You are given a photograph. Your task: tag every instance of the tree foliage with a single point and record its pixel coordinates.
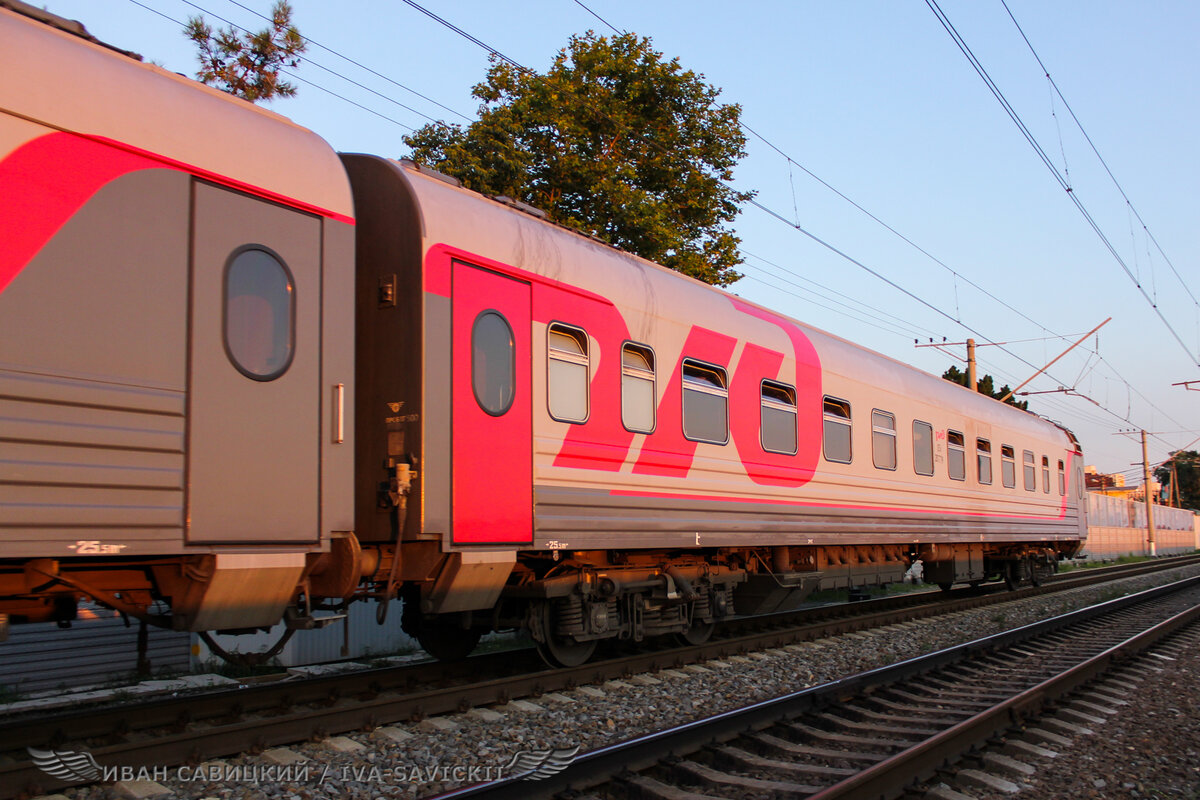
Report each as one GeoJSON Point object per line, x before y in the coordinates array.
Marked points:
{"type": "Point", "coordinates": [248, 65]}
{"type": "Point", "coordinates": [1187, 472]}
{"type": "Point", "coordinates": [984, 385]}
{"type": "Point", "coordinates": [614, 141]}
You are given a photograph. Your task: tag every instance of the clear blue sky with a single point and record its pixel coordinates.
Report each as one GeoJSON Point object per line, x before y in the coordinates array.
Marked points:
{"type": "Point", "coordinates": [877, 100]}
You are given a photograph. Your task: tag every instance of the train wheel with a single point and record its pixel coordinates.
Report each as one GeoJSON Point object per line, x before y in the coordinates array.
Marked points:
{"type": "Point", "coordinates": [448, 642]}
{"type": "Point", "coordinates": [698, 633]}
{"type": "Point", "coordinates": [1035, 572]}
{"type": "Point", "coordinates": [560, 651]}
{"type": "Point", "coordinates": [1012, 575]}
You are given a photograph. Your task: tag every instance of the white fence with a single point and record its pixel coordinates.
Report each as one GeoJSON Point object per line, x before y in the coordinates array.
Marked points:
{"type": "Point", "coordinates": [1117, 527]}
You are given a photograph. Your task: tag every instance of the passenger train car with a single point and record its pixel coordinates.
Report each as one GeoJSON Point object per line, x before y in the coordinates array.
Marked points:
{"type": "Point", "coordinates": [246, 379]}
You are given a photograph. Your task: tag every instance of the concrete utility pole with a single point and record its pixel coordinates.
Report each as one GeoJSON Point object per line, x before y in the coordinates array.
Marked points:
{"type": "Point", "coordinates": [1174, 483]}
{"type": "Point", "coordinates": [972, 384]}
{"type": "Point", "coordinates": [1149, 500]}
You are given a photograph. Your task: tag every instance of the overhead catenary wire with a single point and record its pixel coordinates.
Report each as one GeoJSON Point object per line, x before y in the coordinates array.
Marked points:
{"type": "Point", "coordinates": [880, 317]}
{"type": "Point", "coordinates": [799, 227]}
{"type": "Point", "coordinates": [849, 314]}
{"type": "Point", "coordinates": [1032, 140]}
{"type": "Point", "coordinates": [361, 66]}
{"type": "Point", "coordinates": [1099, 157]}
{"type": "Point", "coordinates": [761, 206]}
{"type": "Point", "coordinates": [369, 110]}
{"type": "Point", "coordinates": [602, 19]}
{"type": "Point", "coordinates": [294, 75]}
{"type": "Point", "coordinates": [912, 328]}
{"type": "Point", "coordinates": [771, 212]}
{"type": "Point", "coordinates": [465, 35]}
{"type": "Point", "coordinates": [957, 275]}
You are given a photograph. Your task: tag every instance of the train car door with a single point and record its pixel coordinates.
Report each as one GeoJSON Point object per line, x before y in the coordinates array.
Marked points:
{"type": "Point", "coordinates": [492, 439]}
{"type": "Point", "coordinates": [254, 381]}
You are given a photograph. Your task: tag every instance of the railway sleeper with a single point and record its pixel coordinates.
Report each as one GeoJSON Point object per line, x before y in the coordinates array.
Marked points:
{"type": "Point", "coordinates": [693, 772]}
{"type": "Point", "coordinates": [829, 758]}
{"type": "Point", "coordinates": [731, 757]}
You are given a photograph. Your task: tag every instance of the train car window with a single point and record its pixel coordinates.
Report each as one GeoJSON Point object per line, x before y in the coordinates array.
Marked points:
{"type": "Point", "coordinates": [1062, 479]}
{"type": "Point", "coordinates": [778, 418]}
{"type": "Point", "coordinates": [1008, 466]}
{"type": "Point", "coordinates": [956, 455]}
{"type": "Point", "coordinates": [493, 362]}
{"type": "Point", "coordinates": [260, 314]}
{"type": "Point", "coordinates": [983, 460]}
{"type": "Point", "coordinates": [883, 439]}
{"type": "Point", "coordinates": [705, 403]}
{"type": "Point", "coordinates": [1046, 474]}
{"type": "Point", "coordinates": [567, 373]}
{"type": "Point", "coordinates": [922, 448]}
{"type": "Point", "coordinates": [836, 431]}
{"type": "Point", "coordinates": [638, 392]}
{"type": "Point", "coordinates": [1030, 471]}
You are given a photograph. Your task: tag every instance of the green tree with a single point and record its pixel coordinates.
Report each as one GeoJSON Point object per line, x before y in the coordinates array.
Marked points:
{"type": "Point", "coordinates": [614, 141]}
{"type": "Point", "coordinates": [984, 385]}
{"type": "Point", "coordinates": [1186, 472]}
{"type": "Point", "coordinates": [248, 65]}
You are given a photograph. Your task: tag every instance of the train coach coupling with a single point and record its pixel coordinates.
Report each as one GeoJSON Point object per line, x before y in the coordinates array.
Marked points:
{"type": "Point", "coordinates": [297, 620]}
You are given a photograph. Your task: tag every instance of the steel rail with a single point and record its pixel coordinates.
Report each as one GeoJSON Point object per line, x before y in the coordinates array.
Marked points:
{"type": "Point", "coordinates": [883, 780]}
{"type": "Point", "coordinates": [888, 778]}
{"type": "Point", "coordinates": [768, 631]}
{"type": "Point", "coordinates": [193, 728]}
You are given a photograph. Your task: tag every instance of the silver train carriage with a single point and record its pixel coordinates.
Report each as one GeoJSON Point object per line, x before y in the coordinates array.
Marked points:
{"type": "Point", "coordinates": [244, 380]}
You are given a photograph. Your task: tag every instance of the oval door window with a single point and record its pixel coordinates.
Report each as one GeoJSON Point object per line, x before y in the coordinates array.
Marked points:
{"type": "Point", "coordinates": [260, 310]}
{"type": "Point", "coordinates": [493, 363]}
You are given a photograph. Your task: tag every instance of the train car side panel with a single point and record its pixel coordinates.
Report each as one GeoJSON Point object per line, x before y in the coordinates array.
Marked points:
{"type": "Point", "coordinates": [255, 355]}
{"type": "Point", "coordinates": [492, 408]}
{"type": "Point", "coordinates": [123, 311]}
{"type": "Point", "coordinates": [658, 487]}
{"type": "Point", "coordinates": [91, 330]}
{"type": "Point", "coordinates": [338, 419]}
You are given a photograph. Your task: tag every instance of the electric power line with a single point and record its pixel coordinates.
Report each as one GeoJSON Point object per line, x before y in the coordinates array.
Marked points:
{"type": "Point", "coordinates": [1095, 150]}
{"type": "Point", "coordinates": [834, 249]}
{"type": "Point", "coordinates": [361, 66]}
{"type": "Point", "coordinates": [1029, 137]}
{"type": "Point", "coordinates": [602, 19]}
{"type": "Point", "coordinates": [292, 74]}
{"type": "Point", "coordinates": [756, 203]}
{"type": "Point", "coordinates": [465, 35]}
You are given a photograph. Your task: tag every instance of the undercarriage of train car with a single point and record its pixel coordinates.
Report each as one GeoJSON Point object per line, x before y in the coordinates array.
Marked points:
{"type": "Point", "coordinates": [570, 602]}
{"type": "Point", "coordinates": [567, 601]}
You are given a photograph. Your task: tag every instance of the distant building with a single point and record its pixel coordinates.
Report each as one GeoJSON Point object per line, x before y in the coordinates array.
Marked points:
{"type": "Point", "coordinates": [1139, 493]}
{"type": "Point", "coordinates": [1114, 485]}
{"type": "Point", "coordinates": [1096, 481]}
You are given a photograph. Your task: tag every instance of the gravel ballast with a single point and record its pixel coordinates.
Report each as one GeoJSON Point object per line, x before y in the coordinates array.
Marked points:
{"type": "Point", "coordinates": [412, 760]}
{"type": "Point", "coordinates": [1149, 749]}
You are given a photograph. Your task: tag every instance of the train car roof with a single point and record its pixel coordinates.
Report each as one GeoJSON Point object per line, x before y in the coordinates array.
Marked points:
{"type": "Point", "coordinates": [508, 234]}
{"type": "Point", "coordinates": [60, 77]}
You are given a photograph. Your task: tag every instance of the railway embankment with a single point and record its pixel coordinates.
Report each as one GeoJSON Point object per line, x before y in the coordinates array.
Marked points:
{"type": "Point", "coordinates": [421, 759]}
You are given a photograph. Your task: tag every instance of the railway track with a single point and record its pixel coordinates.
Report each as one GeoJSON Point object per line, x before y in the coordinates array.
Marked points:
{"type": "Point", "coordinates": [189, 729]}
{"type": "Point", "coordinates": [881, 733]}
